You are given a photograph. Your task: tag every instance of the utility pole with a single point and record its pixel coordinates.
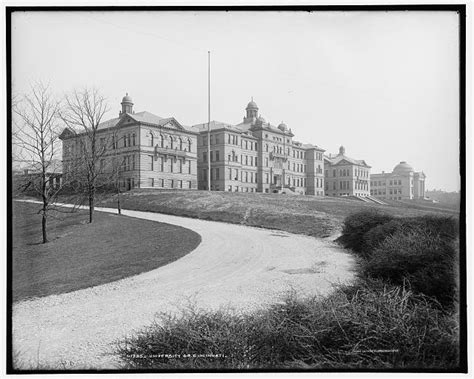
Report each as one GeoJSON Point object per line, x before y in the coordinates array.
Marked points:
{"type": "Point", "coordinates": [208, 120]}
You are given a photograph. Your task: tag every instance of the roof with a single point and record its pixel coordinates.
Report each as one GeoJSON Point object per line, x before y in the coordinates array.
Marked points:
{"type": "Point", "coordinates": [143, 117]}
{"type": "Point", "coordinates": [339, 158]}
{"type": "Point", "coordinates": [311, 146]}
{"type": "Point", "coordinates": [54, 166]}
{"type": "Point", "coordinates": [214, 125]}
{"type": "Point", "coordinates": [403, 167]}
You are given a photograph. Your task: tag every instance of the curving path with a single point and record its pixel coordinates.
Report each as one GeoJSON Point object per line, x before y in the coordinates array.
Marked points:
{"type": "Point", "coordinates": [237, 266]}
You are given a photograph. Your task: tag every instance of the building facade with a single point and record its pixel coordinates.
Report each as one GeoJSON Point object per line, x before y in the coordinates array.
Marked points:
{"type": "Point", "coordinates": [146, 151]}
{"type": "Point", "coordinates": [346, 176]}
{"type": "Point", "coordinates": [403, 183]}
{"type": "Point", "coordinates": [255, 156]}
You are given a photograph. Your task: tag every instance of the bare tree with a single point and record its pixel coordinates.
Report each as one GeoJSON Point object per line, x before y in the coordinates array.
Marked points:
{"type": "Point", "coordinates": [83, 113]}
{"type": "Point", "coordinates": [35, 137]}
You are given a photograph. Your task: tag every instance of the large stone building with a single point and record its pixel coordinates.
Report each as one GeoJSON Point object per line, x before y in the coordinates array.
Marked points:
{"type": "Point", "coordinates": [346, 176]}
{"type": "Point", "coordinates": [401, 184]}
{"type": "Point", "coordinates": [255, 156]}
{"type": "Point", "coordinates": [151, 151]}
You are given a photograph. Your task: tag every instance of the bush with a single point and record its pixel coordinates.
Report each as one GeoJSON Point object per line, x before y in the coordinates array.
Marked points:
{"type": "Point", "coordinates": [426, 260]}
{"type": "Point", "coordinates": [356, 225]}
{"type": "Point", "coordinates": [370, 325]}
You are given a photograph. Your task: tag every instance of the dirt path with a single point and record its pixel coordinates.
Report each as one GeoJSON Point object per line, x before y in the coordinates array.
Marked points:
{"type": "Point", "coordinates": [237, 266]}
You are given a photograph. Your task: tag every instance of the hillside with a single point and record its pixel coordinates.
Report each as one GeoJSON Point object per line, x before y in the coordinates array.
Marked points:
{"type": "Point", "coordinates": [319, 217]}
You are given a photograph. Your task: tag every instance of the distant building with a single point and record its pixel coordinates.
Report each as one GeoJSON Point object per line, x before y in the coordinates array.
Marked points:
{"type": "Point", "coordinates": [401, 184]}
{"type": "Point", "coordinates": [255, 156]}
{"type": "Point", "coordinates": [30, 177]}
{"type": "Point", "coordinates": [153, 152]}
{"type": "Point", "coordinates": [346, 176]}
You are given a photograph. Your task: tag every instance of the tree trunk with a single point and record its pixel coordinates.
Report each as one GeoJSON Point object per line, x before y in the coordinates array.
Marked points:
{"type": "Point", "coordinates": [119, 209]}
{"type": "Point", "coordinates": [43, 225]}
{"type": "Point", "coordinates": [44, 195]}
{"type": "Point", "coordinates": [91, 208]}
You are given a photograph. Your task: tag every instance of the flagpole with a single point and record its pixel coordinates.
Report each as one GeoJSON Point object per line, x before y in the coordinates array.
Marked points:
{"type": "Point", "coordinates": [208, 120]}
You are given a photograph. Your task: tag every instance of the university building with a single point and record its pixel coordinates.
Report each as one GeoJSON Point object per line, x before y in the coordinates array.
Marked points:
{"type": "Point", "coordinates": [255, 156]}
{"type": "Point", "coordinates": [146, 150]}
{"type": "Point", "coordinates": [401, 184]}
{"type": "Point", "coordinates": [346, 176]}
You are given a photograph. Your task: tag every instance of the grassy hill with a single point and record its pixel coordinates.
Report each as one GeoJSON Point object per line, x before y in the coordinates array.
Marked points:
{"type": "Point", "coordinates": [314, 216]}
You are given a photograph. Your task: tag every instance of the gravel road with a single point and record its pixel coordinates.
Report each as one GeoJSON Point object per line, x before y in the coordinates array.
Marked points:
{"type": "Point", "coordinates": [237, 266]}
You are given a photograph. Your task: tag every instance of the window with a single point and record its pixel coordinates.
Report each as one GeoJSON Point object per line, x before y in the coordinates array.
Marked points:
{"type": "Point", "coordinates": [217, 174]}
{"type": "Point", "coordinates": [134, 139]}
{"type": "Point", "coordinates": [217, 156]}
{"type": "Point", "coordinates": [266, 178]}
{"type": "Point", "coordinates": [151, 162]}
{"type": "Point", "coordinates": [129, 140]}
{"type": "Point", "coordinates": [151, 182]}
{"type": "Point", "coordinates": [204, 156]}
{"type": "Point", "coordinates": [171, 143]}
{"type": "Point", "coordinates": [133, 162]}
{"type": "Point", "coordinates": [266, 162]}
{"type": "Point", "coordinates": [189, 167]}
{"type": "Point", "coordinates": [162, 164]}
{"type": "Point", "coordinates": [212, 156]}
{"type": "Point", "coordinates": [124, 141]}
{"type": "Point", "coordinates": [180, 144]}
{"type": "Point", "coordinates": [181, 166]}
{"type": "Point", "coordinates": [255, 161]}
{"type": "Point", "coordinates": [151, 139]}
{"type": "Point", "coordinates": [171, 165]}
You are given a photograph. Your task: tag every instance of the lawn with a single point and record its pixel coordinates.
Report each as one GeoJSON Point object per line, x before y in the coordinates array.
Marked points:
{"type": "Point", "coordinates": [314, 216]}
{"type": "Point", "coordinates": [81, 255]}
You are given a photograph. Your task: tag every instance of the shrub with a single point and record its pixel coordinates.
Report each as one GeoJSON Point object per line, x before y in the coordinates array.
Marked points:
{"type": "Point", "coordinates": [425, 259]}
{"type": "Point", "coordinates": [356, 225]}
{"type": "Point", "coordinates": [370, 325]}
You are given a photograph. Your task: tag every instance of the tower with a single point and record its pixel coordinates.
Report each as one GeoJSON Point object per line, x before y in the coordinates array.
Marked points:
{"type": "Point", "coordinates": [252, 112]}
{"type": "Point", "coordinates": [342, 150]}
{"type": "Point", "coordinates": [127, 105]}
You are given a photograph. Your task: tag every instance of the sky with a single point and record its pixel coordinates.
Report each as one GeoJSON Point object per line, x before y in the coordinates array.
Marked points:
{"type": "Point", "coordinates": [385, 85]}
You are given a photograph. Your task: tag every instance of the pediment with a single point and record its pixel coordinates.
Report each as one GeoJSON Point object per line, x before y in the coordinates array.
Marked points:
{"type": "Point", "coordinates": [66, 133]}
{"type": "Point", "coordinates": [172, 124]}
{"type": "Point", "coordinates": [126, 119]}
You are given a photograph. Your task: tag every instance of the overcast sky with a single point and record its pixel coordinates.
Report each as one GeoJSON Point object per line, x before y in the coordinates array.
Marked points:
{"type": "Point", "coordinates": [383, 84]}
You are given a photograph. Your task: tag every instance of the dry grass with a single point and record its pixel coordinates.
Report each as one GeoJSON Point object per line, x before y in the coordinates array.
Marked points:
{"type": "Point", "coordinates": [314, 216]}
{"type": "Point", "coordinates": [367, 326]}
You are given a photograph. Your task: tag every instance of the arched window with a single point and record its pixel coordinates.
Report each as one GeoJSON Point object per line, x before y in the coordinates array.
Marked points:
{"type": "Point", "coordinates": [189, 144]}
{"type": "Point", "coordinates": [151, 139]}
{"type": "Point", "coordinates": [180, 144]}
{"type": "Point", "coordinates": [171, 142]}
